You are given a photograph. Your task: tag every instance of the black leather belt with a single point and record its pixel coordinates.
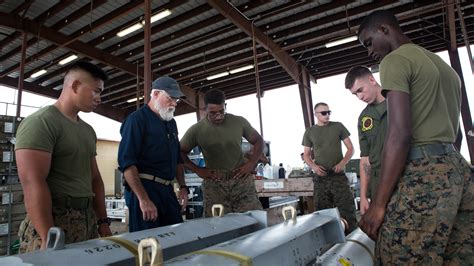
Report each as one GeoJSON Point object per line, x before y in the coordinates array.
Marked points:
{"type": "Point", "coordinates": [79, 203]}
{"type": "Point", "coordinates": [435, 149]}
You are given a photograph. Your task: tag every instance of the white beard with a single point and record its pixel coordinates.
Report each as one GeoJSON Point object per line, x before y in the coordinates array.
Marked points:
{"type": "Point", "coordinates": [165, 113]}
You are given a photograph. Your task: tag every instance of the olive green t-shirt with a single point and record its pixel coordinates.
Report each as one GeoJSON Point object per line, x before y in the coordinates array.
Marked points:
{"type": "Point", "coordinates": [72, 146]}
{"type": "Point", "coordinates": [326, 143]}
{"type": "Point", "coordinates": [434, 89]}
{"type": "Point", "coordinates": [220, 144]}
{"type": "Point", "coordinates": [372, 126]}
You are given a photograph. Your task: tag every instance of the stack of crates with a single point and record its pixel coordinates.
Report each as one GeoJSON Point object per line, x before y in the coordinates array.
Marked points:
{"type": "Point", "coordinates": [195, 198]}
{"type": "Point", "coordinates": [12, 207]}
{"type": "Point", "coordinates": [194, 209]}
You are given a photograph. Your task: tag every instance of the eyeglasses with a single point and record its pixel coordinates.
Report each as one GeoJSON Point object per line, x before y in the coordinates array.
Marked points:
{"type": "Point", "coordinates": [324, 113]}
{"type": "Point", "coordinates": [168, 97]}
{"type": "Point", "coordinates": [217, 113]}
{"type": "Point", "coordinates": [174, 99]}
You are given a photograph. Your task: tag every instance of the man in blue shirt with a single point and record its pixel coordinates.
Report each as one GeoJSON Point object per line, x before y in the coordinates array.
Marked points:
{"type": "Point", "coordinates": [149, 158]}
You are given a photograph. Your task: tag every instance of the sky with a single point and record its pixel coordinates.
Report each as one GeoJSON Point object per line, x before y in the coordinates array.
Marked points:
{"type": "Point", "coordinates": [283, 124]}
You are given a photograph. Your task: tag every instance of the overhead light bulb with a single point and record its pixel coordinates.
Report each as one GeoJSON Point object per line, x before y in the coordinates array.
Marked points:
{"type": "Point", "coordinates": [223, 74]}
{"type": "Point", "coordinates": [341, 41]}
{"type": "Point", "coordinates": [38, 73]}
{"type": "Point", "coordinates": [240, 69]}
{"type": "Point", "coordinates": [131, 100]}
{"type": "Point", "coordinates": [129, 30]}
{"type": "Point", "coordinates": [160, 15]}
{"type": "Point", "coordinates": [68, 59]}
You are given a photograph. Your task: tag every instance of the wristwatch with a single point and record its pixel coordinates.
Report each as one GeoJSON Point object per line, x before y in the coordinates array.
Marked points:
{"type": "Point", "coordinates": [185, 187]}
{"type": "Point", "coordinates": [105, 220]}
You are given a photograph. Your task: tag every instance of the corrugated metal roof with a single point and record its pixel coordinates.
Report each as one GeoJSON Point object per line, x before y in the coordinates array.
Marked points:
{"type": "Point", "coordinates": [196, 39]}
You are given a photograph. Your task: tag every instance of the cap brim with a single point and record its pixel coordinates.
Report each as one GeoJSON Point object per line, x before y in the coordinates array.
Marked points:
{"type": "Point", "coordinates": [176, 94]}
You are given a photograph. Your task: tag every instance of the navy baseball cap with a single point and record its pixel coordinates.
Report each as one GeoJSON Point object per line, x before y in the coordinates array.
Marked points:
{"type": "Point", "coordinates": [169, 85]}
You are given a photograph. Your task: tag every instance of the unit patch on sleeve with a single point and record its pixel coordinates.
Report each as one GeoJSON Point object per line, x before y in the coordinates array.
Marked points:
{"type": "Point", "coordinates": [367, 123]}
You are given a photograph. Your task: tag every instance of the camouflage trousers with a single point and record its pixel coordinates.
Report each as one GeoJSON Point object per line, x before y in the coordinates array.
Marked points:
{"type": "Point", "coordinates": [78, 225]}
{"type": "Point", "coordinates": [237, 195]}
{"type": "Point", "coordinates": [430, 217]}
{"type": "Point", "coordinates": [334, 191]}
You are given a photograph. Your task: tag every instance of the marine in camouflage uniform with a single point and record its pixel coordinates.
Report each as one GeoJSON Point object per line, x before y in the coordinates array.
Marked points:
{"type": "Point", "coordinates": [78, 225]}
{"type": "Point", "coordinates": [227, 177]}
{"type": "Point", "coordinates": [429, 218]}
{"type": "Point", "coordinates": [236, 195]}
{"type": "Point", "coordinates": [331, 187]}
{"type": "Point", "coordinates": [55, 153]}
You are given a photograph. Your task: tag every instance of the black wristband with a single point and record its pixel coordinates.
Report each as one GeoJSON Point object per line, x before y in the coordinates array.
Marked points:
{"type": "Point", "coordinates": [106, 220]}
{"type": "Point", "coordinates": [185, 187]}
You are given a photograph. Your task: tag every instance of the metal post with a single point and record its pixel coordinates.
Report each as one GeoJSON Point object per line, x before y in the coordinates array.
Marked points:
{"type": "Point", "coordinates": [464, 33]}
{"type": "Point", "coordinates": [137, 104]}
{"type": "Point", "coordinates": [456, 65]}
{"type": "Point", "coordinates": [465, 110]}
{"type": "Point", "coordinates": [21, 78]}
{"type": "Point", "coordinates": [257, 80]}
{"type": "Point", "coordinates": [147, 52]}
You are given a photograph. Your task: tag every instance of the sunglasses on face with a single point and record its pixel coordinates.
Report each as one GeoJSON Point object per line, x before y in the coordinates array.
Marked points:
{"type": "Point", "coordinates": [324, 113]}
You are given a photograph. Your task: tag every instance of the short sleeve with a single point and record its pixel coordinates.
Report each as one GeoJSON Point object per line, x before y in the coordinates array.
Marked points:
{"type": "Point", "coordinates": [395, 73]}
{"type": "Point", "coordinates": [306, 139]}
{"type": "Point", "coordinates": [363, 143]}
{"type": "Point", "coordinates": [36, 133]}
{"type": "Point", "coordinates": [189, 140]}
{"type": "Point", "coordinates": [247, 128]}
{"type": "Point", "coordinates": [344, 132]}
